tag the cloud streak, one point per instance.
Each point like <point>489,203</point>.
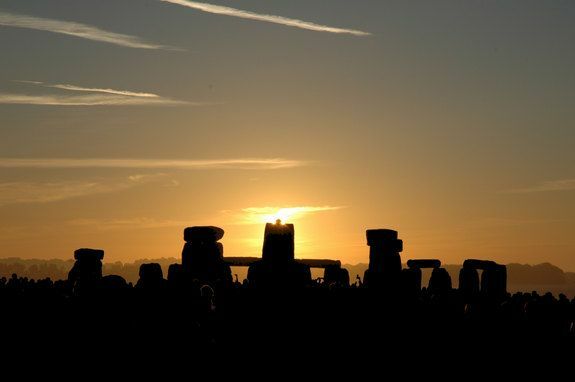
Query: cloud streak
<point>553,185</point>
<point>89,100</point>
<point>228,11</point>
<point>91,90</point>
<point>97,97</point>
<point>199,164</point>
<point>77,30</point>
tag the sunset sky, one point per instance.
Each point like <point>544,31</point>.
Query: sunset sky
<point>453,122</point>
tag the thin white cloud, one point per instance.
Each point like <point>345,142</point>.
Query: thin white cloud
<point>90,100</point>
<point>91,90</point>
<point>199,164</point>
<point>77,30</point>
<point>100,97</point>
<point>46,192</point>
<point>553,185</point>
<point>258,215</point>
<point>228,11</point>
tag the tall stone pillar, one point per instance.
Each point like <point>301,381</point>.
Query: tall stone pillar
<point>384,259</point>
<point>278,268</point>
<point>87,270</point>
<point>202,256</point>
<point>468,282</point>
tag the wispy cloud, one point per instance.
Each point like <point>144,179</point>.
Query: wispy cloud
<point>553,185</point>
<point>199,164</point>
<point>258,215</point>
<point>77,30</point>
<point>89,100</point>
<point>227,11</point>
<point>45,192</point>
<point>91,90</point>
<point>99,97</point>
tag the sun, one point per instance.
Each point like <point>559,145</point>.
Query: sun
<point>283,215</point>
<point>258,215</point>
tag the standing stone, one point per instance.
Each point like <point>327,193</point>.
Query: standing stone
<point>494,282</point>
<point>411,282</point>
<point>336,275</point>
<point>468,282</point>
<point>175,275</point>
<point>384,269</point>
<point>151,276</point>
<point>493,278</point>
<point>278,268</point>
<point>411,278</point>
<point>440,282</point>
<point>87,270</point>
<point>202,256</point>
<point>501,280</point>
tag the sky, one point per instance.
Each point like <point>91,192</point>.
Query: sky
<point>124,121</point>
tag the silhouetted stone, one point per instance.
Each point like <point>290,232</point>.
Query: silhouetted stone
<point>384,269</point>
<point>113,287</point>
<point>479,264</point>
<point>198,254</point>
<point>87,270</point>
<point>411,281</point>
<point>440,282</point>
<point>88,253</point>
<point>266,274</point>
<point>501,279</point>
<point>202,256</point>
<point>113,282</point>
<point>278,268</point>
<point>469,282</point>
<point>493,278</point>
<point>151,276</point>
<point>378,236</point>
<point>336,275</point>
<point>424,263</point>
<point>203,234</point>
<point>174,272</point>
<point>494,281</point>
<point>278,243</point>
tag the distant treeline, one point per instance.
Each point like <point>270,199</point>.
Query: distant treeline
<point>57,269</point>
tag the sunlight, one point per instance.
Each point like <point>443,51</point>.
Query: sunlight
<point>283,215</point>
<point>258,215</point>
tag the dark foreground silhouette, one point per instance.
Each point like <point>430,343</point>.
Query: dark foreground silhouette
<point>279,308</point>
